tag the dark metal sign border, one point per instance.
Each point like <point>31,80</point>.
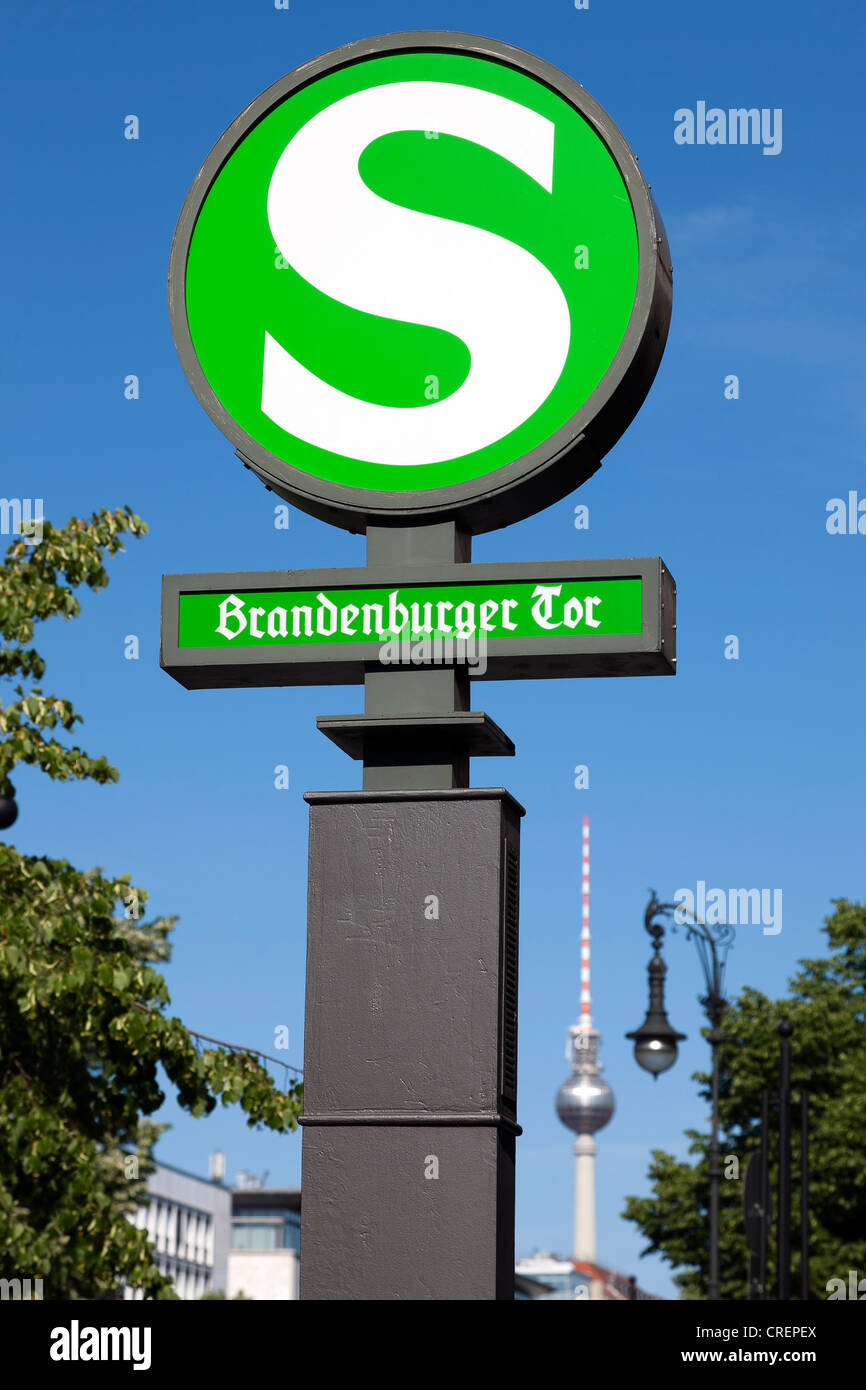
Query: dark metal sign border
<point>650,652</point>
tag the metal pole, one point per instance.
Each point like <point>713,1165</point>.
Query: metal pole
<point>765,1190</point>
<point>804,1195</point>
<point>784,1239</point>
<point>410,1053</point>
<point>714,1012</point>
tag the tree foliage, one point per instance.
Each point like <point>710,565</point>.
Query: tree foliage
<point>828,1057</point>
<point>84,1026</point>
<point>38,581</point>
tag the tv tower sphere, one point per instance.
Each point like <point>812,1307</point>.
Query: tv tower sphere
<point>585,1102</point>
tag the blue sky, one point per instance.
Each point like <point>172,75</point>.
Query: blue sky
<point>743,773</point>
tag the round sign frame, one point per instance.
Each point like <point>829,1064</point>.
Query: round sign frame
<point>564,460</point>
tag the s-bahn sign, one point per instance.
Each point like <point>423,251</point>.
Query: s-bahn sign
<point>327,627</point>
<point>421,278</point>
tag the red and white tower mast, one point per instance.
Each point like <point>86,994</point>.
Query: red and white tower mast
<point>584,1102</point>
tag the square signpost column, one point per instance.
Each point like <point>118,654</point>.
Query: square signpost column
<point>410,1045</point>
<point>324,371</point>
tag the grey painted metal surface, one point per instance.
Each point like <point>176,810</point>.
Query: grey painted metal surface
<point>410,1047</point>
<point>417,729</point>
<point>404,741</point>
<point>382,1232</point>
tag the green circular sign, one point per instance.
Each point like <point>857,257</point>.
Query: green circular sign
<point>421,278</point>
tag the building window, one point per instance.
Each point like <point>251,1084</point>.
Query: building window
<point>267,1230</point>
<point>256,1237</point>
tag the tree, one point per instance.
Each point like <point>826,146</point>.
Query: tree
<point>31,590</point>
<point>828,1058</point>
<point>83,1022</point>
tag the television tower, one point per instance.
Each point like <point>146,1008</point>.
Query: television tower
<point>584,1102</point>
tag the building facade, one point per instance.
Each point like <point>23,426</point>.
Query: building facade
<point>243,1242</point>
<point>188,1223</point>
<point>263,1261</point>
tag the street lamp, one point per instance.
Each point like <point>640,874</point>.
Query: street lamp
<point>655,1042</point>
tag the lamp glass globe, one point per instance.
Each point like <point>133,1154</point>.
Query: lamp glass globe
<point>655,1055</point>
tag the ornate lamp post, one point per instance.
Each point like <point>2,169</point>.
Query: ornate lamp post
<point>655,1042</point>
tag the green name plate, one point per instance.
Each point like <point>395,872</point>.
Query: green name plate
<point>504,621</point>
<point>412,613</point>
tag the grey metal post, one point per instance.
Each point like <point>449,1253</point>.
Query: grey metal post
<point>804,1195</point>
<point>784,1238</point>
<point>766,1220</point>
<point>713,1292</point>
<point>756,1209</point>
<point>423,691</point>
<point>410,1052</point>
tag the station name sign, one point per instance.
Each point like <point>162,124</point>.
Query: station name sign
<point>611,617</point>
